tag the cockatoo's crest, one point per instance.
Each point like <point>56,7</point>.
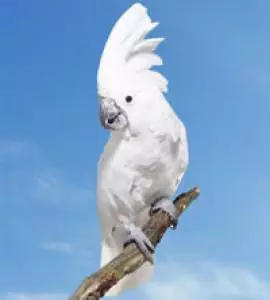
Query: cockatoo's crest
<point>127,56</point>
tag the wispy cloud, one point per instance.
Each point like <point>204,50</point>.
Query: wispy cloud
<point>12,148</point>
<point>58,247</point>
<point>45,296</point>
<point>207,282</point>
<point>27,174</point>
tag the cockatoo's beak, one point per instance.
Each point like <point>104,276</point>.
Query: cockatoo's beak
<point>111,115</point>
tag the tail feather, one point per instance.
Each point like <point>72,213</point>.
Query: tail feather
<point>138,277</point>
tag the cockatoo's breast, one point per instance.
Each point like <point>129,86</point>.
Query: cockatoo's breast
<point>133,173</point>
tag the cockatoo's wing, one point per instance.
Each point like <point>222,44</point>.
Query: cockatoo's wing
<point>128,55</point>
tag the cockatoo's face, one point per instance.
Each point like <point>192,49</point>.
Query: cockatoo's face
<point>128,108</point>
<point>133,108</point>
<point>123,107</point>
<point>116,110</point>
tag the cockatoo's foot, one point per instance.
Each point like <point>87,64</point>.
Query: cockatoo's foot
<point>137,236</point>
<point>167,206</point>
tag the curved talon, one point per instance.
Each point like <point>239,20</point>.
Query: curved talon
<point>174,224</point>
<point>167,206</point>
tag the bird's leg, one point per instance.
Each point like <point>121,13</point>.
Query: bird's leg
<point>137,236</point>
<point>134,234</point>
<point>167,206</point>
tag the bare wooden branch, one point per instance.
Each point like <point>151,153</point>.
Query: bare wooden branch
<point>95,286</point>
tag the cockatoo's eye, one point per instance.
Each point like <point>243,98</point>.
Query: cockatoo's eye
<point>129,99</point>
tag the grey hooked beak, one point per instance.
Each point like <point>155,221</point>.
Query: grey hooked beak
<point>111,115</point>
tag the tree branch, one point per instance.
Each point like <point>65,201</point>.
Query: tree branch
<point>95,286</point>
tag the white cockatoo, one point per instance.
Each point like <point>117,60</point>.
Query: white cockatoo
<point>147,151</point>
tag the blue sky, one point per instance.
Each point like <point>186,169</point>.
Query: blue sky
<point>217,61</point>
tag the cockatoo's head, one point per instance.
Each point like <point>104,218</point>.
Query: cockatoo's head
<point>127,87</point>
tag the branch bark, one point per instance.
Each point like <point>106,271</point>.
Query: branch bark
<point>96,285</point>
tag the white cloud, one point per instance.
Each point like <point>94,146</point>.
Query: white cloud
<point>204,281</point>
<point>207,282</point>
<point>45,296</point>
<point>58,247</point>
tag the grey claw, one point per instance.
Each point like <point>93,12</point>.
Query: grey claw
<point>167,206</point>
<point>174,223</point>
<point>142,242</point>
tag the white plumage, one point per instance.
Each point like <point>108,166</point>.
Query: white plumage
<point>128,53</point>
<point>147,152</point>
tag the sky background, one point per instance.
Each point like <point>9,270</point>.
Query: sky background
<point>217,61</point>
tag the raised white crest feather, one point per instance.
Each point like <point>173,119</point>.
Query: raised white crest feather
<point>127,55</point>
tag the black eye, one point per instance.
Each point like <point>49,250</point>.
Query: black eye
<point>128,99</point>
